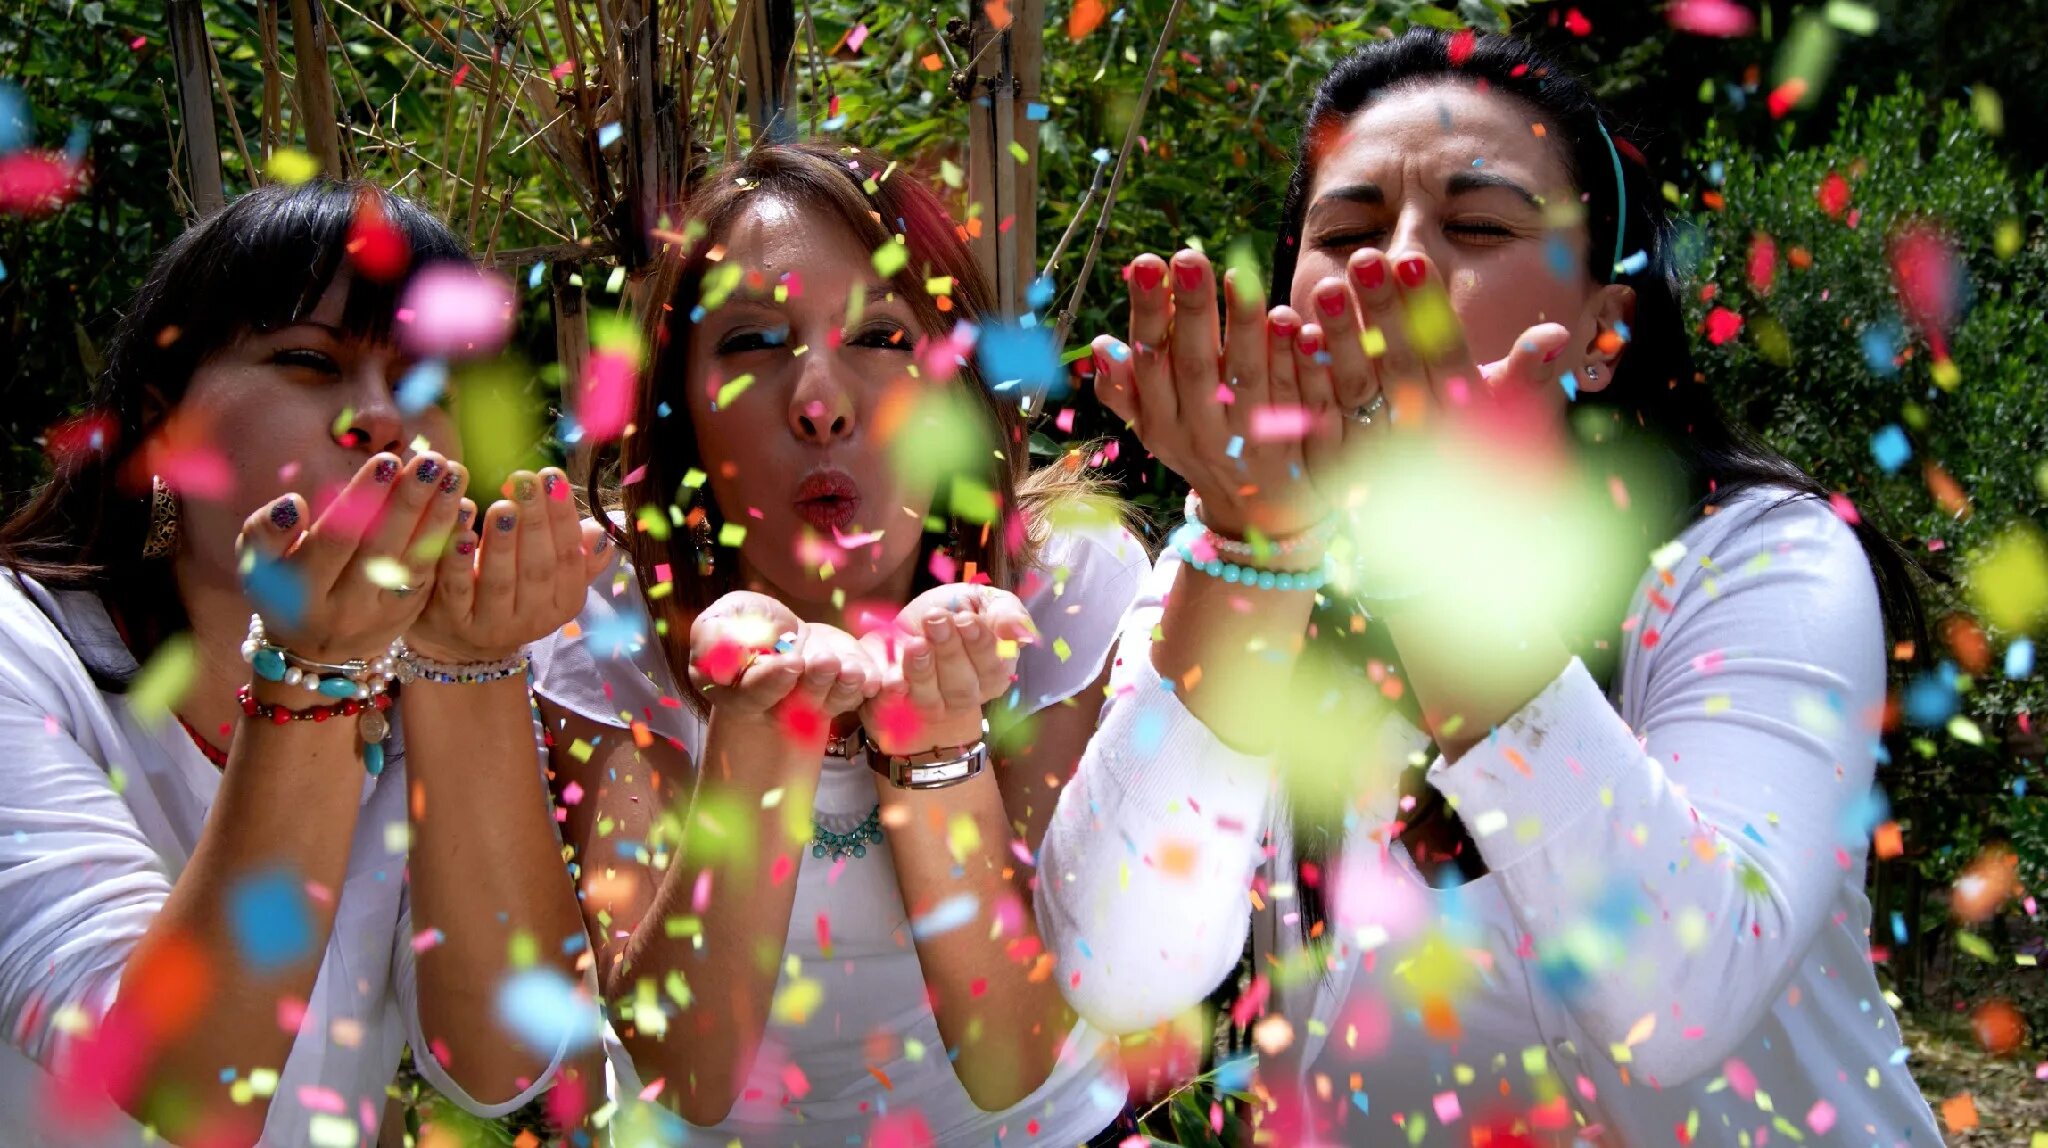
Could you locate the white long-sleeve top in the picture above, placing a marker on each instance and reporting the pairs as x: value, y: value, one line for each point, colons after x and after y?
x: 99, y: 812
x: 1671, y: 943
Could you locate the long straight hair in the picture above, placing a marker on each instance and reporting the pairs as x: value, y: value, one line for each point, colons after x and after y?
x: 878, y: 203
x: 261, y: 263
x: 1657, y: 403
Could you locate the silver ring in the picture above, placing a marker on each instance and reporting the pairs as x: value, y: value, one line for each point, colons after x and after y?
x: 402, y: 590
x: 1364, y: 415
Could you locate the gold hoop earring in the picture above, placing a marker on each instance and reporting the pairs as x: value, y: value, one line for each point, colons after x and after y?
x: 162, y: 538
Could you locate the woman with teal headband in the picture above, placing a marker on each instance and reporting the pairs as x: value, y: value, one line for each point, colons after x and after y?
x: 1520, y: 707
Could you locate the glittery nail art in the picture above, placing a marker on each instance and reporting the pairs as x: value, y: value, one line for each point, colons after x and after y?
x: 553, y: 485
x: 450, y: 481
x: 506, y: 522
x: 387, y: 469
x: 466, y: 547
x: 428, y: 471
x: 285, y: 515
x: 522, y: 489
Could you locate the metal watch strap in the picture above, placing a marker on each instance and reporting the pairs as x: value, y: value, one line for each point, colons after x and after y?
x: 936, y: 768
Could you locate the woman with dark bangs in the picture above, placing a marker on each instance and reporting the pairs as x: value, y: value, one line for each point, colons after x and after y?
x: 805, y: 860
x: 229, y: 920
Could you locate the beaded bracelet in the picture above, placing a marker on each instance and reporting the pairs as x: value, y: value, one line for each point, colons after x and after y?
x: 371, y: 724
x: 1252, y: 577
x: 356, y: 678
x: 1314, y: 536
x: 412, y: 667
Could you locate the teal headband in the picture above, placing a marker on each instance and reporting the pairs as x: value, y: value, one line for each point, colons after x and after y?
x: 1620, y: 200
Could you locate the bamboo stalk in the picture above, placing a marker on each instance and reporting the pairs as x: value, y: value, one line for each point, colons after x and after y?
x: 272, y: 127
x: 220, y: 81
x: 1116, y: 177
x: 483, y: 143
x: 315, y: 86
x: 640, y: 26
x: 195, y: 105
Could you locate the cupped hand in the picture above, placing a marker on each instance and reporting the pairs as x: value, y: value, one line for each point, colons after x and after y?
x: 342, y: 587
x: 523, y: 579
x: 752, y: 657
x: 951, y: 651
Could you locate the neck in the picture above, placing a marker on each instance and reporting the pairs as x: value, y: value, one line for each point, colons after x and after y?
x: 220, y: 621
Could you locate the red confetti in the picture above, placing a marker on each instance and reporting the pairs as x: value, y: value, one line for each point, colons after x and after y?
x: 36, y: 183
x: 1833, y: 194
x: 1576, y: 23
x: 1722, y: 325
x: 375, y: 245
x: 1763, y: 263
x: 1460, y: 49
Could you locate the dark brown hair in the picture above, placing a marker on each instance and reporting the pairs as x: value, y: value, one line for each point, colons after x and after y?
x: 877, y: 202
x: 260, y: 263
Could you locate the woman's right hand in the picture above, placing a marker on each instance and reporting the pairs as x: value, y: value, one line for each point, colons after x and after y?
x: 735, y: 662
x: 1240, y: 419
x: 343, y: 587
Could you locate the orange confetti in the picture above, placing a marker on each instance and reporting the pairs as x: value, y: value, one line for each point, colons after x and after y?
x: 1947, y: 491
x: 1085, y: 18
x: 1440, y: 1020
x: 878, y: 1074
x: 167, y: 984
x: 931, y: 62
x: 998, y: 13
x: 1959, y: 1113
x: 1965, y: 639
x: 1999, y: 1027
x: 1177, y: 858
x: 1888, y: 841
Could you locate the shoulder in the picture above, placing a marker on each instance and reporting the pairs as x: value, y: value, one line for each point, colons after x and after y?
x: 1776, y: 534
x: 1086, y: 579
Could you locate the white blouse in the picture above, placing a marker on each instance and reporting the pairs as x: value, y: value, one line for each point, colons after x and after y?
x: 1672, y: 933
x: 98, y: 815
x: 820, y: 1083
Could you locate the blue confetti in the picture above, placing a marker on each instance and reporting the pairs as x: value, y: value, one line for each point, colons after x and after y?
x: 615, y: 637
x: 422, y: 386
x: 608, y: 134
x: 275, y: 589
x: 1633, y: 263
x: 1931, y: 699
x: 544, y: 1012
x: 1235, y: 1074
x: 74, y: 145
x: 1558, y: 257
x: 1040, y: 293
x: 1881, y: 349
x: 1029, y: 357
x: 948, y: 915
x: 1570, y: 383
x: 1898, y: 927
x: 2019, y: 658
x: 15, y: 120
x: 1890, y: 448
x: 1235, y: 447
x: 268, y: 918
x: 533, y: 276
x: 1036, y: 111
x: 1147, y: 731
x: 1101, y: 154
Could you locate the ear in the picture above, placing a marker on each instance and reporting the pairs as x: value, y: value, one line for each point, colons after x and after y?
x: 1606, y: 318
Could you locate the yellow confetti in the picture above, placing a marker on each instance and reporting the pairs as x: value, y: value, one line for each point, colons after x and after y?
x: 161, y: 685
x: 796, y: 1001
x: 2009, y: 582
x: 290, y: 165
x: 1641, y: 1030
x: 733, y: 390
x: 891, y: 257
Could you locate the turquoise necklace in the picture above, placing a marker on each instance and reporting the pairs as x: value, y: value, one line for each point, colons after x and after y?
x: 853, y: 842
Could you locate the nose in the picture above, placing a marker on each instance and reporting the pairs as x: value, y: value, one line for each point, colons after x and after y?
x: 1415, y: 234
x: 374, y: 420
x: 821, y: 408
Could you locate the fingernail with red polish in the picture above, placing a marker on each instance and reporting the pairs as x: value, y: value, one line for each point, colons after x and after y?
x: 387, y: 469
x: 1187, y: 276
x: 1411, y: 270
x: 1148, y: 275
x: 466, y: 547
x: 1284, y: 328
x: 1370, y: 274
x: 1311, y: 343
x: 1330, y: 302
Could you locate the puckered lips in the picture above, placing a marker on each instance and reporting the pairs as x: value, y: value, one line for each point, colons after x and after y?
x: 827, y: 498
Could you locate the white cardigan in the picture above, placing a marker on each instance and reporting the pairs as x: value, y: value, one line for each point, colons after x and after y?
x: 1672, y: 932
x: 99, y: 813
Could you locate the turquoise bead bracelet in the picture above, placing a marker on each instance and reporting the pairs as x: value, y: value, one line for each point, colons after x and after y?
x: 1250, y: 577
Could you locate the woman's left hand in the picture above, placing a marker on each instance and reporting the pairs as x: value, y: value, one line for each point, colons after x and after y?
x: 951, y: 651
x: 525, y: 581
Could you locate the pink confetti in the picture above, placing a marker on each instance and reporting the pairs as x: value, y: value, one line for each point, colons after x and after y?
x: 1722, y: 325
x: 1281, y: 424
x: 1843, y: 508
x: 1448, y: 1110
x: 605, y: 400
x: 700, y: 894
x: 857, y: 37
x: 195, y: 472
x: 1821, y: 1117
x: 1065, y: 420
x: 572, y: 793
x: 1711, y: 18
x: 562, y: 69
x: 1740, y: 1078
x: 321, y: 1099
x: 426, y: 939
x: 454, y: 311
x: 901, y: 1130
x: 795, y: 1082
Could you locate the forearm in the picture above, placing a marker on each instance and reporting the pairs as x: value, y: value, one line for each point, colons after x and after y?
x: 281, y: 825
x: 487, y: 876
x: 1472, y: 668
x: 1230, y: 652
x: 987, y: 972
x: 720, y: 919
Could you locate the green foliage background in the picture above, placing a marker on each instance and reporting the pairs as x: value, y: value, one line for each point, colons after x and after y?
x: 1902, y: 119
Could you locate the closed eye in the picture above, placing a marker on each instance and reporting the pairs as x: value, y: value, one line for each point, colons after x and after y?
x: 742, y: 342
x: 882, y: 337
x: 306, y: 359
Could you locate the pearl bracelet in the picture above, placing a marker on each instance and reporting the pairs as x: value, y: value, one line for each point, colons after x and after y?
x: 1315, y: 535
x: 350, y: 683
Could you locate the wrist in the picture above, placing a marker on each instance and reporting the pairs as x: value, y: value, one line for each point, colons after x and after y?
x: 965, y: 729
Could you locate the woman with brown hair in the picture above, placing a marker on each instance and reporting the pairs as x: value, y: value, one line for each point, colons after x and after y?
x: 229, y: 919
x: 807, y: 870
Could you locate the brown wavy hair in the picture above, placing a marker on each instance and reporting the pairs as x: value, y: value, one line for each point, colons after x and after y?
x: 866, y: 194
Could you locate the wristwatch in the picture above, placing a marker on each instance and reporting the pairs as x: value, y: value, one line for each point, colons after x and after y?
x: 936, y: 768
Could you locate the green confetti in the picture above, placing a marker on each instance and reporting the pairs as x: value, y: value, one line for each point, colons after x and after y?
x: 1851, y: 17
x: 1989, y: 109
x: 162, y: 684
x: 2009, y: 581
x: 731, y: 534
x: 1017, y: 150
x: 1242, y: 263
x: 731, y: 391
x: 523, y: 950
x: 891, y: 257
x: 973, y: 501
x: 498, y: 418
x: 1976, y: 946
x: 290, y: 165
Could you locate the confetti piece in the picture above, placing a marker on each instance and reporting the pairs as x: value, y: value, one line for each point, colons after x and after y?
x: 291, y: 166
x: 1959, y: 1112
x: 452, y: 310
x: 545, y: 1010
x: 2008, y: 582
x: 1722, y: 18
x: 1722, y: 325
x: 947, y: 915
x: 270, y: 921
x: 1018, y: 357
x: 1085, y: 18
x: 1890, y: 448
x: 160, y: 686
x: 890, y: 258
x: 796, y: 1001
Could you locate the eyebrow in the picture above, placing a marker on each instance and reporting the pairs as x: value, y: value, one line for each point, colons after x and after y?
x: 1460, y: 183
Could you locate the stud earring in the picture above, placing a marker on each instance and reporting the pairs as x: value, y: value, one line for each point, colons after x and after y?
x: 162, y: 538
